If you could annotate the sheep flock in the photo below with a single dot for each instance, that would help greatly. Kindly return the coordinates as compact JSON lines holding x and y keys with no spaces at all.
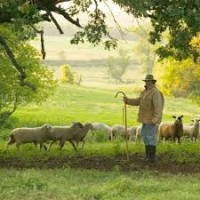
{"x":78,"y":132}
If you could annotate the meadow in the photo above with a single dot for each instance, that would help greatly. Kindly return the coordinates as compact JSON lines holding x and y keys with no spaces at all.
{"x":100,"y":170}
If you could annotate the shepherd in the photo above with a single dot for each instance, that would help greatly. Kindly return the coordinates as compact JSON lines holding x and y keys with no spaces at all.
{"x":151,"y":103}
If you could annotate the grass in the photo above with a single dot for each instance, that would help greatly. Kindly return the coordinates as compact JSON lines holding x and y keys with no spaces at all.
{"x":73,"y":103}
{"x":71,"y":184}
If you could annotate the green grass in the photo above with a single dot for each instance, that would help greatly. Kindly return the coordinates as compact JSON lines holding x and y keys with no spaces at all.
{"x":73,"y":103}
{"x":71,"y":184}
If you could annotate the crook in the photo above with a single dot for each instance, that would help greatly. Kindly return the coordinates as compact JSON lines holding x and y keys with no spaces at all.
{"x":121,"y":93}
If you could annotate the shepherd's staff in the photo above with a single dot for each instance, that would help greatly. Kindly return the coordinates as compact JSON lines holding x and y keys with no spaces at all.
{"x":125,"y":124}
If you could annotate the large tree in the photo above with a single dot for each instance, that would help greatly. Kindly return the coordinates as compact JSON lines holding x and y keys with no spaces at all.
{"x":180,"y":17}
{"x":38,"y":84}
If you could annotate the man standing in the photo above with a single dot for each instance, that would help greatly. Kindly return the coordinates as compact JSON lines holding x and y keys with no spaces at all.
{"x":151,"y":103}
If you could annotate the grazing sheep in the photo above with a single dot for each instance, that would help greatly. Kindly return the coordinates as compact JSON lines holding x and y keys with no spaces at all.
{"x":63,"y":134}
{"x":101,"y":127}
{"x":132,"y":132}
{"x":29,"y":135}
{"x":192,"y":130}
{"x":79,"y":136}
{"x":119,"y":130}
{"x":171,"y":130}
{"x":138,"y":134}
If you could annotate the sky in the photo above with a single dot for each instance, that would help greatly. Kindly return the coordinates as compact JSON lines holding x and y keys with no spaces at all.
{"x":121,"y":17}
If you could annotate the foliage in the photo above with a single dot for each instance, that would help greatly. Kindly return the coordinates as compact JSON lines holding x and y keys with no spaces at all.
{"x":143,"y":50}
{"x":38,"y":76}
{"x":66,"y":74}
{"x":178,"y":78}
{"x":117,"y":65}
{"x":24,"y":13}
{"x":181,"y":18}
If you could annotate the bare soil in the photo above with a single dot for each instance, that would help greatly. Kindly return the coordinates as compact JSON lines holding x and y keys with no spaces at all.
{"x":163,"y":164}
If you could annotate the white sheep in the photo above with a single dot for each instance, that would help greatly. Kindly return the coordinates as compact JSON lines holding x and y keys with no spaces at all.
{"x":63,"y":134}
{"x":101,"y":127}
{"x":29,"y":135}
{"x":131,"y":132}
{"x":138,"y":134}
{"x":118,"y":130}
{"x":192,"y":130}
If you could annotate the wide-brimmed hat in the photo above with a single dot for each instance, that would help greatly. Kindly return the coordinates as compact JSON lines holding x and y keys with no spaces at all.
{"x":149,"y":77}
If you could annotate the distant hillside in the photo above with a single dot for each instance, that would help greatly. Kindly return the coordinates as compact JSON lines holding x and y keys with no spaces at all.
{"x":70,"y":30}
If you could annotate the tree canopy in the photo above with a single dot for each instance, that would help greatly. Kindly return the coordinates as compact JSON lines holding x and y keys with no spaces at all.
{"x":180,"y":17}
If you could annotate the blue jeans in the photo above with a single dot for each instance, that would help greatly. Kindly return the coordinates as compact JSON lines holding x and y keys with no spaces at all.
{"x":149,"y":134}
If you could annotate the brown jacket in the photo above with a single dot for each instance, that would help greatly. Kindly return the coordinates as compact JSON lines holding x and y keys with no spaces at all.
{"x":151,"y":103}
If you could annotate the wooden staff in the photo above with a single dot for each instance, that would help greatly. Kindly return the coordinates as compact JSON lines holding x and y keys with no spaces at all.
{"x":125,"y":124}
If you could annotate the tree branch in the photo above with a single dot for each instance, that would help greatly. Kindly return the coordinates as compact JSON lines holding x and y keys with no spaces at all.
{"x":55,"y":22}
{"x":21,"y":71}
{"x":41,"y":32}
{"x":62,"y":12}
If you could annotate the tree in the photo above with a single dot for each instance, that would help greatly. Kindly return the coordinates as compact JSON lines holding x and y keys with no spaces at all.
{"x":143,"y":50}
{"x":23,"y":16}
{"x":38,"y":84}
{"x":179,"y":78}
{"x":181,"y":18}
{"x":117,"y":65}
{"x":67,"y":75}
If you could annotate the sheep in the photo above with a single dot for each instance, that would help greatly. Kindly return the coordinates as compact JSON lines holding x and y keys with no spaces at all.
{"x":119,"y":130}
{"x":101,"y":127}
{"x":63,"y":133}
{"x":138,"y":134}
{"x":192,"y":131}
{"x":131,"y":132}
{"x":171,"y":130}
{"x":29,"y":135}
{"x":79,"y":136}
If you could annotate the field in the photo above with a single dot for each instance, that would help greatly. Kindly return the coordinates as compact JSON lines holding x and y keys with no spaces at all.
{"x":100,"y":170}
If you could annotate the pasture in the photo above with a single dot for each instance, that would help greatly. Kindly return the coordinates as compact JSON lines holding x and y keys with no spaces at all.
{"x":99,"y":171}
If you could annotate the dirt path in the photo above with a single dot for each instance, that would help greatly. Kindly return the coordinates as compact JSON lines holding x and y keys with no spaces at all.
{"x":163,"y":164}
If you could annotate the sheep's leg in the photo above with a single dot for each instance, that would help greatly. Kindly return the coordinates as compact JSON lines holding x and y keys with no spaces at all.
{"x":8,"y":144}
{"x":35,"y":143}
{"x":42,"y":145}
{"x":83,"y":143}
{"x":17,"y":146}
{"x":51,"y":145}
{"x":11,"y":141}
{"x":61,"y":144}
{"x":73,"y":145}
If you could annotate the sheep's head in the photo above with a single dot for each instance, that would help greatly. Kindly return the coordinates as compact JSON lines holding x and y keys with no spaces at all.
{"x":196,"y":121}
{"x":77,"y":125}
{"x":46,"y":126}
{"x":178,"y":120}
{"x":89,"y":126}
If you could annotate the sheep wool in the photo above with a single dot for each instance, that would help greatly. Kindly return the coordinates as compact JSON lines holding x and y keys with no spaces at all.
{"x":37,"y":135}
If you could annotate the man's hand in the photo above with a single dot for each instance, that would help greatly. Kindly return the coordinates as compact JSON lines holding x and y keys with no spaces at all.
{"x":125,"y":99}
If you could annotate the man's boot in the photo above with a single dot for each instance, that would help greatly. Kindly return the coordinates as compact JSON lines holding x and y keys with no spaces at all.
{"x":152,"y":153}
